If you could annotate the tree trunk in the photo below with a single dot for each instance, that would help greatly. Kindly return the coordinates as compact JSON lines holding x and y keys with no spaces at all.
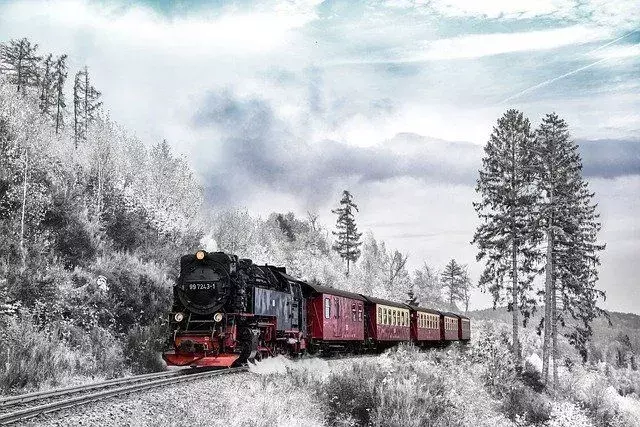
{"x":58,"y":112}
{"x":554,"y":333}
{"x":514,"y":301}
{"x":24,"y":207}
{"x":547,"y":306}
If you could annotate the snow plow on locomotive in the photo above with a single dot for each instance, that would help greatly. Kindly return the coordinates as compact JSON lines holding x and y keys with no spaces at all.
{"x":228,"y":311}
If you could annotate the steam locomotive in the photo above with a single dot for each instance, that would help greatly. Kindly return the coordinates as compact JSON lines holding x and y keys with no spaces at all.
{"x":228,"y":310}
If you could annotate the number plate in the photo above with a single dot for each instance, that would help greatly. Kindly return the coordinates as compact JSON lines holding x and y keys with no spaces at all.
{"x":200,"y":286}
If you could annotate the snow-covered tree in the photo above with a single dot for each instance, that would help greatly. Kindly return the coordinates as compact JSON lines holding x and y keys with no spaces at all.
{"x":571,"y":226}
{"x":348,"y":238}
{"x":47,"y":93}
{"x":19,"y":61}
{"x":395,"y":275}
{"x":59,"y":78}
{"x":507,"y":238}
{"x":426,"y":287}
{"x":86,"y":104}
{"x":455,"y":281}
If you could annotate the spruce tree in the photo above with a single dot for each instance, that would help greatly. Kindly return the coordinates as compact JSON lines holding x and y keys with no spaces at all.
{"x":571,"y":226}
{"x":85,"y":104}
{"x":454,"y":280}
{"x":19,"y":61}
{"x":348,"y":239}
{"x":59,"y":78}
{"x":47,"y":92}
{"x":507,"y":238}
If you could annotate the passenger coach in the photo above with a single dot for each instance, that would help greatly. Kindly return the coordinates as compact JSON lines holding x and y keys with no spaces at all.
{"x":336,"y":317}
{"x":388,"y":321}
{"x":425,"y":325}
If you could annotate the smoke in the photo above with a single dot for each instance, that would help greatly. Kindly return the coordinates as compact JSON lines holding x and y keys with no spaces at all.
{"x":208,"y":243}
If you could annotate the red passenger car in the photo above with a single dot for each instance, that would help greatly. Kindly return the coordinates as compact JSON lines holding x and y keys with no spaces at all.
{"x":334,"y":316}
{"x":425,"y":325}
{"x":449,"y":324}
{"x":464,"y":328}
{"x":387,"y":321}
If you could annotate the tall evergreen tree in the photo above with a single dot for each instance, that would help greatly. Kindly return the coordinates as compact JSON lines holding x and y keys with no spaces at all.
{"x":59,"y":78}
{"x":454,"y":280}
{"x":507,"y":238}
{"x":19,"y":61}
{"x":571,"y":226}
{"x":47,"y":93}
{"x":86,"y":104}
{"x":348,"y":239}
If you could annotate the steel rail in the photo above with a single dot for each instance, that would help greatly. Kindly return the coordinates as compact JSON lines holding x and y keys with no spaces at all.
{"x":34,"y":411}
{"x":47,"y":394}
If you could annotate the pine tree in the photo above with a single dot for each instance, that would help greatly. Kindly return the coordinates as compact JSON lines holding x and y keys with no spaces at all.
{"x":59,"y":78}
{"x":507,"y":238}
{"x":19,"y":61}
{"x":348,"y":242}
{"x":454,"y":280}
{"x":571,"y":226}
{"x":85,"y":104}
{"x":47,"y":92}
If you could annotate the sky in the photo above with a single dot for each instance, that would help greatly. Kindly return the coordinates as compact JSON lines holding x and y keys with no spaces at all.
{"x":279,"y":105}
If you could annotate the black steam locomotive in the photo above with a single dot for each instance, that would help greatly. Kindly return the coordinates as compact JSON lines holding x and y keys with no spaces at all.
{"x":228,"y":310}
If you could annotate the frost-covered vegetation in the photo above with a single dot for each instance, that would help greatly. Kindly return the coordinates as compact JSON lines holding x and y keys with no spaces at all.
{"x":477,"y":385}
{"x":93,"y":221}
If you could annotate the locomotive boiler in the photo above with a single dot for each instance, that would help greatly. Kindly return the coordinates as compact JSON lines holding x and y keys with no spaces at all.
{"x":228,"y":310}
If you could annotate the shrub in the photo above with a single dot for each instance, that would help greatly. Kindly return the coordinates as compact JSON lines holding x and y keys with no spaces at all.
{"x":29,"y":358}
{"x":142,"y":348}
{"x":525,"y":403}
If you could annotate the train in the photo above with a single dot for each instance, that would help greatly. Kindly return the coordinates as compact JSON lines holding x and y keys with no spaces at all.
{"x":228,"y":311}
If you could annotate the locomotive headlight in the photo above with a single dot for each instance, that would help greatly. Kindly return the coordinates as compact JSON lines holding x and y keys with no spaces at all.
{"x":217,"y":317}
{"x":178,"y":317}
{"x":200,"y":255}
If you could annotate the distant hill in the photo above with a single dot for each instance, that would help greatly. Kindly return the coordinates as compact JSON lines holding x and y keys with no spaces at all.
{"x":603,"y":334}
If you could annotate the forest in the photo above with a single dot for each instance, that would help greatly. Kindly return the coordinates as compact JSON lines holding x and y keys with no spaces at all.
{"x":93,"y":221}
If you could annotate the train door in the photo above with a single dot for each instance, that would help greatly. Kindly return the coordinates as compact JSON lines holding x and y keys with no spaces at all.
{"x":338,"y":320}
{"x":296,"y":306}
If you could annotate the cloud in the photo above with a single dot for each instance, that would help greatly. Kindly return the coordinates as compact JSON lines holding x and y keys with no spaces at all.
{"x":258,"y":149}
{"x":479,"y":45}
{"x":610,"y":158}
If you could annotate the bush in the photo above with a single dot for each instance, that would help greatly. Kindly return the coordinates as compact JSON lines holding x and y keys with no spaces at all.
{"x":365,"y":394}
{"x":142,"y":348}
{"x":522,"y":402}
{"x":29,"y":358}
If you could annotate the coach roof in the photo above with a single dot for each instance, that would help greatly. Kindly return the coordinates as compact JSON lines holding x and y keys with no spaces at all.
{"x":385,"y":302}
{"x":424,"y":309}
{"x":333,"y":291}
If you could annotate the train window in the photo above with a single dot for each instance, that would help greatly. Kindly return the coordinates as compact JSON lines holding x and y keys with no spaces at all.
{"x":353,"y":312}
{"x":360,"y":312}
{"x":395,"y":317}
{"x":327,"y":308}
{"x":384,"y":316}
{"x":379,"y":315}
{"x":421,"y":320}
{"x":337,"y":307}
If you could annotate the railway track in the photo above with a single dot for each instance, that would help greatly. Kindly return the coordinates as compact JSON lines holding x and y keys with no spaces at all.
{"x":25,"y":406}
